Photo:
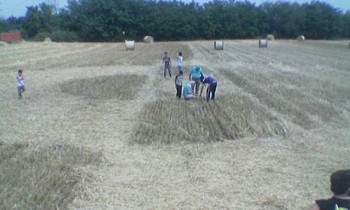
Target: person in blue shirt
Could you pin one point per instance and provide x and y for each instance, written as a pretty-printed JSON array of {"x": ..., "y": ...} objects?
[
  {"x": 187, "y": 92},
  {"x": 195, "y": 75},
  {"x": 211, "y": 89}
]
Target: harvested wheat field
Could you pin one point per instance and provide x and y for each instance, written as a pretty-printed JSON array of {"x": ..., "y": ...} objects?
[{"x": 99, "y": 127}]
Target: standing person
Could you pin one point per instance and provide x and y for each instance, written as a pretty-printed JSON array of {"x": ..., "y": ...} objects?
[
  {"x": 340, "y": 186},
  {"x": 195, "y": 75},
  {"x": 178, "y": 84},
  {"x": 20, "y": 84},
  {"x": 180, "y": 61},
  {"x": 167, "y": 64},
  {"x": 187, "y": 92},
  {"x": 211, "y": 89}
]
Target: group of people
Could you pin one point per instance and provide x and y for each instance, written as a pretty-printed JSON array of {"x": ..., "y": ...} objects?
[{"x": 197, "y": 81}]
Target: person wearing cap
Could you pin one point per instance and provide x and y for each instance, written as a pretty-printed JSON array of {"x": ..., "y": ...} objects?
[
  {"x": 167, "y": 64},
  {"x": 195, "y": 75},
  {"x": 211, "y": 89},
  {"x": 340, "y": 186}
]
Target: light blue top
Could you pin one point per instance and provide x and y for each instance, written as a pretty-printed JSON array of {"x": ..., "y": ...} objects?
[
  {"x": 196, "y": 72},
  {"x": 180, "y": 61},
  {"x": 187, "y": 90}
]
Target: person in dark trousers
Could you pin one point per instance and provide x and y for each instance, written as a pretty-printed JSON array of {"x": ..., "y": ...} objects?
[
  {"x": 340, "y": 186},
  {"x": 167, "y": 64},
  {"x": 178, "y": 84},
  {"x": 211, "y": 89}
]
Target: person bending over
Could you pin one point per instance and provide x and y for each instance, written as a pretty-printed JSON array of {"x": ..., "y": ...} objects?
[{"x": 211, "y": 89}]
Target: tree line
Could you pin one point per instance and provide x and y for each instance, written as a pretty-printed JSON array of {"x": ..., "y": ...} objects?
[{"x": 117, "y": 20}]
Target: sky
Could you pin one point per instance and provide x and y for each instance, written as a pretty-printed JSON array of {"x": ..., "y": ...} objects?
[{"x": 18, "y": 8}]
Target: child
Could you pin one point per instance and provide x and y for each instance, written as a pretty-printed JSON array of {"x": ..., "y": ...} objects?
[
  {"x": 180, "y": 62},
  {"x": 188, "y": 94},
  {"x": 167, "y": 64},
  {"x": 178, "y": 84},
  {"x": 20, "y": 84}
]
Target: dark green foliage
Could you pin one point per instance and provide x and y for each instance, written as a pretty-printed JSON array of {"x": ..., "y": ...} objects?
[{"x": 117, "y": 20}]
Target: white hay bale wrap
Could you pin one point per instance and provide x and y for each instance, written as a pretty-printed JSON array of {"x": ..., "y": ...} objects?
[
  {"x": 262, "y": 43},
  {"x": 47, "y": 39},
  {"x": 270, "y": 37},
  {"x": 301, "y": 38},
  {"x": 218, "y": 45},
  {"x": 148, "y": 39},
  {"x": 129, "y": 45}
]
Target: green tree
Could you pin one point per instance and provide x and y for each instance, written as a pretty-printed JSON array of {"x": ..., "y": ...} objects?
[{"x": 321, "y": 21}]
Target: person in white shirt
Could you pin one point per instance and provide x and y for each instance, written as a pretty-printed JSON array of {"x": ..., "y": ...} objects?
[
  {"x": 20, "y": 84},
  {"x": 180, "y": 59}
]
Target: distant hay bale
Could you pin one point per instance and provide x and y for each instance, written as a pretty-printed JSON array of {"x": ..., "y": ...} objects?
[
  {"x": 262, "y": 43},
  {"x": 148, "y": 39},
  {"x": 218, "y": 45},
  {"x": 129, "y": 45},
  {"x": 270, "y": 37},
  {"x": 301, "y": 38},
  {"x": 47, "y": 39}
]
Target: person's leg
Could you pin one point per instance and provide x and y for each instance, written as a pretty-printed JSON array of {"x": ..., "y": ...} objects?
[
  {"x": 165, "y": 69},
  {"x": 179, "y": 68},
  {"x": 213, "y": 90},
  {"x": 198, "y": 82},
  {"x": 19, "y": 89},
  {"x": 208, "y": 93},
  {"x": 169, "y": 69},
  {"x": 178, "y": 91}
]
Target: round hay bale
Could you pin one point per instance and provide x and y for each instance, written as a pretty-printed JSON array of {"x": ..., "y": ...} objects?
[
  {"x": 47, "y": 39},
  {"x": 301, "y": 38},
  {"x": 262, "y": 43},
  {"x": 218, "y": 45},
  {"x": 129, "y": 45},
  {"x": 148, "y": 39},
  {"x": 270, "y": 37}
]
